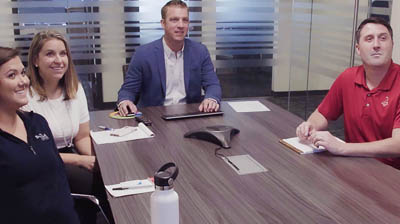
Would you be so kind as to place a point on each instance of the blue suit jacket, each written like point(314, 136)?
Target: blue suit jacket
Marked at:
point(146, 77)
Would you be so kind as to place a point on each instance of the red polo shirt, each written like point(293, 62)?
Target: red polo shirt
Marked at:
point(369, 115)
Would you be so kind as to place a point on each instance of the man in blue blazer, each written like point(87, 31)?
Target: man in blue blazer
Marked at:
point(172, 69)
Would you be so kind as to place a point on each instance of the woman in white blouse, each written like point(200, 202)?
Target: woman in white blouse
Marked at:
point(57, 95)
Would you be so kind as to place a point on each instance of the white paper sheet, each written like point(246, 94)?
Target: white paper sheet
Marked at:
point(103, 137)
point(133, 187)
point(248, 106)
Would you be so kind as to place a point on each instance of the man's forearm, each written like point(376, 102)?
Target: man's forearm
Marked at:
point(318, 121)
point(389, 147)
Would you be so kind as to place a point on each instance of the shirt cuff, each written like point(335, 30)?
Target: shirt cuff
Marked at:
point(119, 103)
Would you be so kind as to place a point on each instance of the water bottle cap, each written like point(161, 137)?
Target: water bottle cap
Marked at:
point(165, 178)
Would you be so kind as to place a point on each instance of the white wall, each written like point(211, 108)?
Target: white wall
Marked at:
point(395, 23)
point(6, 25)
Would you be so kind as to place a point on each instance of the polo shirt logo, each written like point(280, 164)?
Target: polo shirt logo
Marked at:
point(385, 102)
point(42, 137)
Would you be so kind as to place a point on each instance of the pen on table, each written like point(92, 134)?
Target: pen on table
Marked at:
point(105, 128)
point(229, 161)
point(120, 188)
point(126, 188)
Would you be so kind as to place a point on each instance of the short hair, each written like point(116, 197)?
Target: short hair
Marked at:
point(176, 3)
point(375, 20)
point(69, 82)
point(6, 54)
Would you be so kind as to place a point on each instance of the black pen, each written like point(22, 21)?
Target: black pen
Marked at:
point(229, 161)
point(121, 188)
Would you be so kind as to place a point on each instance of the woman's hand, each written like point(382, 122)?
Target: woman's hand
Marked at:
point(87, 162)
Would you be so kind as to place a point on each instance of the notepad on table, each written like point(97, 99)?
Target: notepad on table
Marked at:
point(121, 135)
point(299, 147)
point(302, 148)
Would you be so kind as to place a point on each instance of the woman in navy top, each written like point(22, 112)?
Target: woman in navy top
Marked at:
point(33, 185)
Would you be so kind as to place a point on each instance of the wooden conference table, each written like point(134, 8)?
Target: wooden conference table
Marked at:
point(316, 188)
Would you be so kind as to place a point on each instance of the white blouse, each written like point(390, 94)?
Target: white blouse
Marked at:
point(64, 117)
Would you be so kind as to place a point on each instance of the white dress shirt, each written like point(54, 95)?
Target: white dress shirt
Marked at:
point(175, 82)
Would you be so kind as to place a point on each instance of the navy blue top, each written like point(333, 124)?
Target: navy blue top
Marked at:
point(34, 187)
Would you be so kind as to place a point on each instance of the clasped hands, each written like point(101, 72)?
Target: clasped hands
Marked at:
point(307, 133)
point(208, 105)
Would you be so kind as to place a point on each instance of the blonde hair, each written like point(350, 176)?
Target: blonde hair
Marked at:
point(69, 82)
point(172, 3)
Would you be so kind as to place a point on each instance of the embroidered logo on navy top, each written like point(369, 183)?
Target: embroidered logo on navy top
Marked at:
point(42, 137)
point(385, 102)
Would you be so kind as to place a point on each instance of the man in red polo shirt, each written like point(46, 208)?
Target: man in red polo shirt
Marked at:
point(368, 96)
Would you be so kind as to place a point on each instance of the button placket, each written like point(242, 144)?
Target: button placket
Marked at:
point(369, 99)
point(367, 104)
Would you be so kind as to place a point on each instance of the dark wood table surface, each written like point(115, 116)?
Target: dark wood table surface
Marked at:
point(316, 188)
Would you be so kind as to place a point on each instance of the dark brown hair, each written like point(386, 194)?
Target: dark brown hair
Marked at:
point(69, 82)
point(176, 3)
point(375, 20)
point(7, 54)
